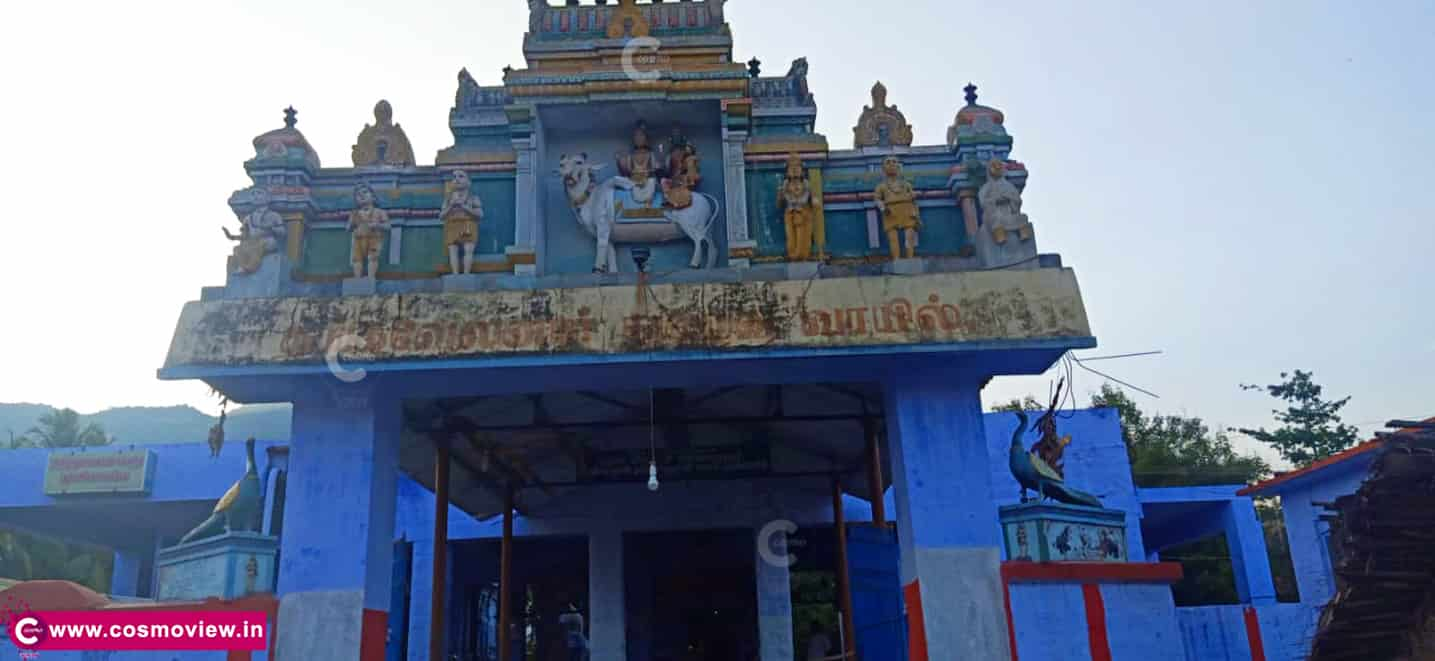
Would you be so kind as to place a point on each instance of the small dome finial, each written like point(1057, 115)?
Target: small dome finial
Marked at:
point(971, 91)
point(290, 117)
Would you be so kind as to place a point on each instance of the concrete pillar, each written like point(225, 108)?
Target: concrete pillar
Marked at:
point(420, 605)
point(607, 612)
point(528, 201)
point(125, 580)
point(774, 594)
point(336, 554)
point(1246, 540)
point(946, 518)
point(740, 246)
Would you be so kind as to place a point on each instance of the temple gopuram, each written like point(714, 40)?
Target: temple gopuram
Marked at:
point(644, 360)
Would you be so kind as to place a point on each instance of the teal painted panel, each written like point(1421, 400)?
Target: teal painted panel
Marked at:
point(847, 233)
point(763, 217)
point(943, 231)
point(423, 250)
point(495, 232)
point(326, 252)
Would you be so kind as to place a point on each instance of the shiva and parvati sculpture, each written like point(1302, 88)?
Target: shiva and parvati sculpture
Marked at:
point(368, 224)
point(462, 210)
point(1001, 205)
point(897, 201)
point(650, 201)
point(800, 197)
point(261, 232)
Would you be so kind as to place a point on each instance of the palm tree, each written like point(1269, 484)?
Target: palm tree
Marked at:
point(61, 429)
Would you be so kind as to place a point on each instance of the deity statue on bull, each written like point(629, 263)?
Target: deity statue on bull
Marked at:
point(682, 174)
point(640, 166)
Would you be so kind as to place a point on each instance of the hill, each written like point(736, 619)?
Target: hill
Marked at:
point(145, 425)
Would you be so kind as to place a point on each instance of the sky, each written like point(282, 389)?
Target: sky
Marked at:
point(1242, 186)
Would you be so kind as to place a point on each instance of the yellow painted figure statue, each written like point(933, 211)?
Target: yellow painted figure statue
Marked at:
point(367, 225)
point(638, 166)
point(260, 233)
point(897, 201)
point(461, 212)
point(798, 215)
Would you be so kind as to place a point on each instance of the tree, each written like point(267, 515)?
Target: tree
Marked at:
point(62, 429)
point(1174, 450)
point(1027, 403)
point(1310, 429)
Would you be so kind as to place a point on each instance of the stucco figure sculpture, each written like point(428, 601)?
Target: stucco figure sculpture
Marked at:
point(594, 207)
point(801, 204)
point(462, 210)
point(383, 142)
point(897, 201)
point(683, 176)
point(261, 232)
point(367, 226)
point(881, 125)
point(238, 509)
point(1034, 473)
point(1001, 205)
point(639, 165)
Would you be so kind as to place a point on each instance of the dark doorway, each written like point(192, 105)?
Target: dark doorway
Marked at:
point(549, 575)
point(691, 596)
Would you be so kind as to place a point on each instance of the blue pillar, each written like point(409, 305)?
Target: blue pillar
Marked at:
point(125, 580)
point(1246, 540)
point(607, 612)
point(774, 594)
point(946, 518)
point(336, 554)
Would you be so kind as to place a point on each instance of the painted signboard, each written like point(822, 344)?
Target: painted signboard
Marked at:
point(836, 312)
point(125, 472)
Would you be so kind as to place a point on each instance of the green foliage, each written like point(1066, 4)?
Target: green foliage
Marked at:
point(1174, 450)
point(32, 557)
point(62, 429)
point(1310, 429)
point(1027, 403)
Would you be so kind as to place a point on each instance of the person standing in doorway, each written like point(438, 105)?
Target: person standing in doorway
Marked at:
point(572, 622)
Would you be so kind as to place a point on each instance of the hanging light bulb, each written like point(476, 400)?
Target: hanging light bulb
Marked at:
point(652, 442)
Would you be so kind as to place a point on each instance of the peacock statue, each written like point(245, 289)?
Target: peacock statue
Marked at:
point(238, 509)
point(1032, 472)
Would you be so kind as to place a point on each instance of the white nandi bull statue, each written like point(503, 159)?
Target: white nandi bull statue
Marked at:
point(593, 204)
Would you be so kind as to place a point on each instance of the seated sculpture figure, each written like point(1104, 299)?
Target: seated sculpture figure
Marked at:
point(897, 201)
point(367, 226)
point(461, 212)
point(639, 166)
point(261, 232)
point(1001, 205)
point(683, 177)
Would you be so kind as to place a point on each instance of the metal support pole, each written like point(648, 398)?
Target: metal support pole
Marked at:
point(437, 637)
point(844, 586)
point(505, 580)
point(874, 474)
